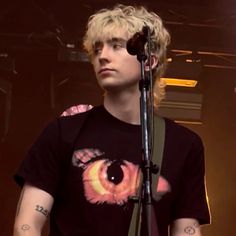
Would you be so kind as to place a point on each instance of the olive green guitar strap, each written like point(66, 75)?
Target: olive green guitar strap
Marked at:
point(158, 148)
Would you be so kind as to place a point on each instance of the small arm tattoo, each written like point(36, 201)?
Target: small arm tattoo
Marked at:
point(40, 209)
point(25, 227)
point(191, 230)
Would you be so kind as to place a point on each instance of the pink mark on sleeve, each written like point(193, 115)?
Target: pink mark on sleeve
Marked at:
point(163, 185)
point(77, 109)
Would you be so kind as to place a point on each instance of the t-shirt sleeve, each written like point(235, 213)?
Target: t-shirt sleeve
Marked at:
point(42, 164)
point(192, 199)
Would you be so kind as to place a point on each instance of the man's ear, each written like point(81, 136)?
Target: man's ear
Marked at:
point(154, 62)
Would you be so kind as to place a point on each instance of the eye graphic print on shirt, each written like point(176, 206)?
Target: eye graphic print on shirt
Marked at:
point(109, 181)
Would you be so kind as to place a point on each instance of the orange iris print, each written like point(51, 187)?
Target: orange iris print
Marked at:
point(111, 182)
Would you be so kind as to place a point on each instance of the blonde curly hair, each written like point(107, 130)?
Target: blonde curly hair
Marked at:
point(131, 19)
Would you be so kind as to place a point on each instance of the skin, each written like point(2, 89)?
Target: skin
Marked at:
point(32, 211)
point(118, 74)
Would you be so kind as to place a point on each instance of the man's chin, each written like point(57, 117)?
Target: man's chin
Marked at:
point(108, 84)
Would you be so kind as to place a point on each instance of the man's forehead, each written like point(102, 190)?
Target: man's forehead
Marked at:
point(110, 40)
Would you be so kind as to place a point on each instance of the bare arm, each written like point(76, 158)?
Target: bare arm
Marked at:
point(185, 227)
point(33, 208)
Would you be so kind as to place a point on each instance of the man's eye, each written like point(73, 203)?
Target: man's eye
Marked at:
point(97, 50)
point(117, 45)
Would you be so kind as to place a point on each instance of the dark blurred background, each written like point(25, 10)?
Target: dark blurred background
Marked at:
point(43, 71)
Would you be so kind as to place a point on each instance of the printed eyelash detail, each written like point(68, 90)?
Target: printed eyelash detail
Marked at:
point(82, 157)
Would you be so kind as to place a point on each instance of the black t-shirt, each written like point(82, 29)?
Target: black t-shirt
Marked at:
point(90, 164)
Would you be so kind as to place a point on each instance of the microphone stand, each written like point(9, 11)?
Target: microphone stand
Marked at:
point(146, 115)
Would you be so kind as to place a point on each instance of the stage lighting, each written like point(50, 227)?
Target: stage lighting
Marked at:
point(184, 73)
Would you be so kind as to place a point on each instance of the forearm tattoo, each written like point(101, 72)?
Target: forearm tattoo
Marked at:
point(42, 210)
point(191, 230)
point(25, 227)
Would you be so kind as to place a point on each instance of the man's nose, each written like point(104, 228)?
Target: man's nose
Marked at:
point(105, 54)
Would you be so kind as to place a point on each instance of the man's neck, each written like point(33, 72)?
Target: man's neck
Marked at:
point(124, 106)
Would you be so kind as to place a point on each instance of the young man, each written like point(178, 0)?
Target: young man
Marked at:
point(83, 168)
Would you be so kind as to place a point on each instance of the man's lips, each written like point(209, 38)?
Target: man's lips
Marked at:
point(105, 70)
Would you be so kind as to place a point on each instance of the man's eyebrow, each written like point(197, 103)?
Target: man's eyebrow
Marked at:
point(112, 40)
point(97, 43)
point(116, 39)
